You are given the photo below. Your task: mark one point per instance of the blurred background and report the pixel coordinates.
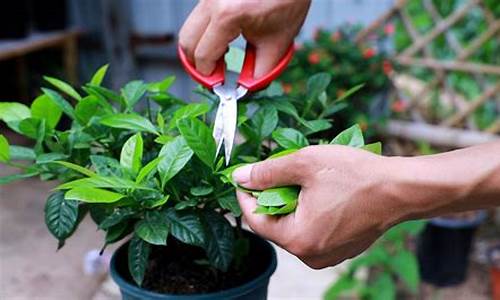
(430, 71)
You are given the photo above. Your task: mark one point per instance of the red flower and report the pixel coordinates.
(368, 53)
(287, 88)
(389, 29)
(387, 67)
(399, 106)
(313, 58)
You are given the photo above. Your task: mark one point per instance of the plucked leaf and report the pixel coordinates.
(138, 254)
(61, 217)
(117, 216)
(278, 196)
(4, 149)
(352, 136)
(131, 154)
(43, 107)
(290, 138)
(61, 102)
(133, 91)
(98, 77)
(175, 155)
(405, 265)
(63, 87)
(186, 227)
(199, 138)
(153, 228)
(219, 240)
(92, 195)
(265, 121)
(132, 122)
(375, 148)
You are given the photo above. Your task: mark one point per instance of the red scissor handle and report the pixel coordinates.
(255, 84)
(246, 78)
(210, 81)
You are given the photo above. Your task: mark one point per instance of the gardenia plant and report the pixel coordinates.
(153, 174)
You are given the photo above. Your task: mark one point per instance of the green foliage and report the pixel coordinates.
(154, 174)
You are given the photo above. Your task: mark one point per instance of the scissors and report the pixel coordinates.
(227, 112)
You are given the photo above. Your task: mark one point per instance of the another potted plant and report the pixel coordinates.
(153, 177)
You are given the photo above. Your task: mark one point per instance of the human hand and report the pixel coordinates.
(343, 204)
(268, 25)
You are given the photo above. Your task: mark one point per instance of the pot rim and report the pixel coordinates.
(232, 292)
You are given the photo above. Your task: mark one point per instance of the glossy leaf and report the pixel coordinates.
(191, 110)
(13, 112)
(153, 228)
(219, 240)
(317, 84)
(350, 91)
(199, 138)
(92, 195)
(77, 168)
(11, 178)
(352, 136)
(98, 77)
(161, 86)
(50, 157)
(102, 182)
(63, 87)
(290, 138)
(138, 255)
(133, 91)
(278, 196)
(106, 93)
(4, 149)
(21, 153)
(203, 190)
(87, 108)
(148, 170)
(345, 283)
(132, 122)
(30, 127)
(117, 232)
(265, 121)
(230, 203)
(131, 154)
(64, 105)
(186, 227)
(61, 217)
(44, 107)
(316, 126)
(175, 155)
(106, 166)
(383, 288)
(119, 215)
(405, 265)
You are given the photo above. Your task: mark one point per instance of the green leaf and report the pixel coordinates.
(161, 86)
(383, 288)
(163, 139)
(274, 89)
(316, 126)
(149, 169)
(4, 149)
(175, 155)
(63, 87)
(199, 191)
(265, 121)
(375, 148)
(290, 138)
(352, 136)
(99, 75)
(43, 107)
(50, 157)
(344, 283)
(278, 196)
(77, 168)
(219, 240)
(119, 215)
(227, 174)
(87, 108)
(30, 127)
(117, 232)
(405, 265)
(92, 195)
(156, 203)
(186, 227)
(13, 112)
(199, 138)
(64, 105)
(282, 153)
(102, 182)
(234, 59)
(230, 203)
(316, 85)
(349, 92)
(153, 228)
(106, 166)
(11, 178)
(106, 93)
(21, 153)
(133, 91)
(138, 255)
(131, 154)
(191, 110)
(132, 122)
(61, 217)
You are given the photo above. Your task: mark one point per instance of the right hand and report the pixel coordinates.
(269, 25)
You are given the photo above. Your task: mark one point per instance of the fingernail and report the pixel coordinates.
(242, 174)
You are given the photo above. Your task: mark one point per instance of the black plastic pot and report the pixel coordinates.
(443, 250)
(255, 289)
(14, 19)
(49, 15)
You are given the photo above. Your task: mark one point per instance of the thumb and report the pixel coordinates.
(292, 169)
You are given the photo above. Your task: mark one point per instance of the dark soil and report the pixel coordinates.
(181, 269)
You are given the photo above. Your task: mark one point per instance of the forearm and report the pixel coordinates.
(434, 185)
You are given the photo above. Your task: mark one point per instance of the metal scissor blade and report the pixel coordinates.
(218, 132)
(229, 114)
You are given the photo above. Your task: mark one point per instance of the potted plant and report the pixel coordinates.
(151, 178)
